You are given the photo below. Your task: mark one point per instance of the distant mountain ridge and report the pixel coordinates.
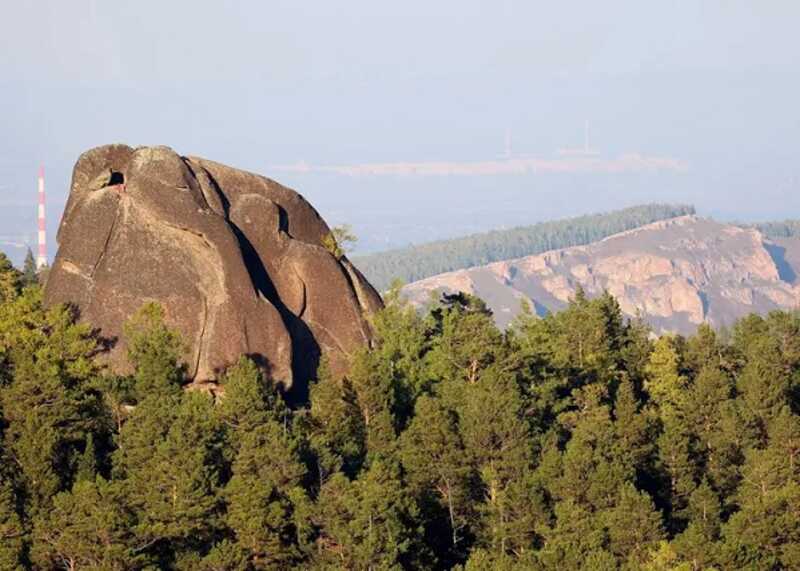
(675, 273)
(424, 260)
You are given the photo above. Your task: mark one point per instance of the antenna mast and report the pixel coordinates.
(586, 137)
(41, 260)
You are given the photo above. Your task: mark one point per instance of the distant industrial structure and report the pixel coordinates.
(41, 259)
(24, 241)
(586, 151)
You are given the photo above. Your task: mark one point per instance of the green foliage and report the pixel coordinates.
(339, 240)
(12, 531)
(418, 262)
(88, 527)
(9, 280)
(29, 275)
(782, 229)
(265, 498)
(155, 351)
(366, 523)
(568, 442)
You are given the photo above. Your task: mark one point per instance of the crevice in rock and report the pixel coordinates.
(106, 242)
(305, 348)
(306, 351)
(201, 340)
(226, 204)
(355, 284)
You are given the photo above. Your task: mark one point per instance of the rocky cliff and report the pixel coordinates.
(676, 273)
(235, 259)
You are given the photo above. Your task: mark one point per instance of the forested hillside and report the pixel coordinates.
(569, 442)
(781, 229)
(418, 262)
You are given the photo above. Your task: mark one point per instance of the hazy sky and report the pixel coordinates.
(713, 84)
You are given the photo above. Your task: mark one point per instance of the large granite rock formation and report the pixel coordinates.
(235, 259)
(676, 274)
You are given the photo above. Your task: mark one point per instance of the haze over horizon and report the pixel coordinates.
(709, 86)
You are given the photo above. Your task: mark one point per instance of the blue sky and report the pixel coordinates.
(258, 84)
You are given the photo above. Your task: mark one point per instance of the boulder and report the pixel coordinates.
(236, 260)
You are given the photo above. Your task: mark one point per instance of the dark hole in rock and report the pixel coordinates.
(116, 178)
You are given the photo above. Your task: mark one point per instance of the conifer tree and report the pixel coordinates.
(247, 402)
(337, 434)
(368, 523)
(665, 384)
(764, 385)
(716, 426)
(12, 530)
(466, 340)
(9, 280)
(496, 441)
(632, 430)
(435, 460)
(574, 537)
(634, 527)
(49, 404)
(87, 462)
(170, 459)
(155, 351)
(89, 527)
(698, 544)
(29, 275)
(400, 341)
(373, 384)
(265, 500)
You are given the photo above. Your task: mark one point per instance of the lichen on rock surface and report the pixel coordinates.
(236, 260)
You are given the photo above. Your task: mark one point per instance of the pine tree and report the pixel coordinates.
(87, 528)
(49, 405)
(29, 271)
(589, 472)
(634, 526)
(247, 401)
(400, 341)
(12, 530)
(155, 351)
(709, 412)
(573, 538)
(590, 337)
(679, 466)
(371, 379)
(87, 463)
(698, 543)
(368, 523)
(265, 498)
(466, 340)
(632, 429)
(434, 458)
(224, 556)
(337, 434)
(765, 532)
(665, 384)
(496, 442)
(9, 280)
(170, 461)
(764, 385)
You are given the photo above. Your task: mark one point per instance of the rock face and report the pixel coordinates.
(235, 259)
(676, 273)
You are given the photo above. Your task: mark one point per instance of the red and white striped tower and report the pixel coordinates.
(41, 259)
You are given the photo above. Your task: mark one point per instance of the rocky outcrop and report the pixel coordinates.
(235, 259)
(676, 273)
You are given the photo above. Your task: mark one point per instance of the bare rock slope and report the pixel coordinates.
(235, 259)
(676, 273)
